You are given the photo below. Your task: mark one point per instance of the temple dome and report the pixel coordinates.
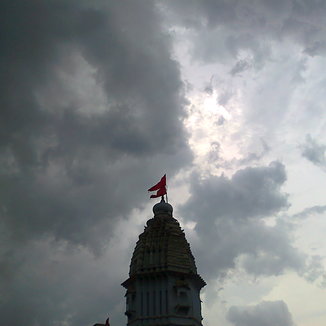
(162, 246)
(162, 208)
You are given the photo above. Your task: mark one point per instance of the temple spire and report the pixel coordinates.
(163, 287)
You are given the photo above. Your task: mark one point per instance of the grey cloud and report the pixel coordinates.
(64, 167)
(314, 152)
(315, 270)
(220, 121)
(225, 97)
(251, 157)
(259, 249)
(239, 67)
(255, 190)
(215, 155)
(68, 170)
(266, 313)
(310, 211)
(53, 284)
(316, 48)
(271, 252)
(229, 215)
(222, 29)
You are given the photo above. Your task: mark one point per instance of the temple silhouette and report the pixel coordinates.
(163, 288)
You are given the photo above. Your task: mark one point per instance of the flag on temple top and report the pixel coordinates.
(160, 187)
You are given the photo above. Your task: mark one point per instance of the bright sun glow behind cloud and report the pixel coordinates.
(210, 104)
(236, 123)
(212, 128)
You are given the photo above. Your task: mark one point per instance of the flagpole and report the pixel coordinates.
(166, 192)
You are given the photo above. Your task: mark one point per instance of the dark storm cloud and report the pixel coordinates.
(313, 151)
(51, 283)
(68, 169)
(244, 188)
(229, 213)
(225, 28)
(65, 167)
(266, 313)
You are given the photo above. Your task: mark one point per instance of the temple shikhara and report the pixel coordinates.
(164, 286)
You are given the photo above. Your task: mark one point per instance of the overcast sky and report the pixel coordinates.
(101, 98)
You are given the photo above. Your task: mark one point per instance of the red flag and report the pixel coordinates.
(160, 184)
(160, 187)
(107, 322)
(160, 192)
